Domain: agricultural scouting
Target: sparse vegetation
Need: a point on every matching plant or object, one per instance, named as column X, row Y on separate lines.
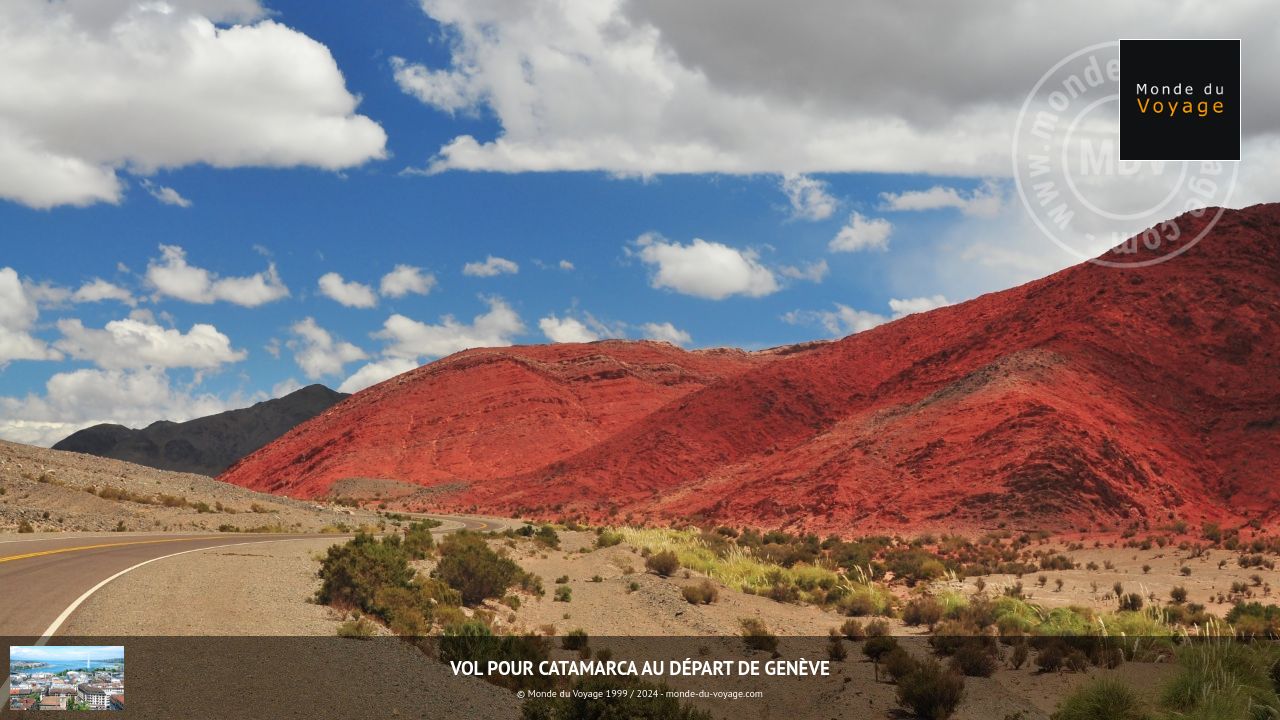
column 756, row 635
column 703, row 593
column 468, row 565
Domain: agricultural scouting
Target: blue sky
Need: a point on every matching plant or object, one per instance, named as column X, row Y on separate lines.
column 65, row 653
column 617, row 172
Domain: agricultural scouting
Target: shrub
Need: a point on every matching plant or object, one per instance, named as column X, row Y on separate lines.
column 1049, row 659
column 575, row 641
column 704, row 593
column 878, row 646
column 1131, row 602
column 25, row 527
column 664, row 563
column 922, row 611
column 354, row 572
column 756, row 635
column 469, row 566
column 562, row 579
column 898, row 663
column 974, row 658
column 931, row 691
column 564, row 593
column 876, row 628
column 853, row 630
column 608, row 538
column 547, row 536
column 1102, row 699
column 1018, row 656
column 358, row 628
column 836, row 650
column 418, row 542
column 1178, row 594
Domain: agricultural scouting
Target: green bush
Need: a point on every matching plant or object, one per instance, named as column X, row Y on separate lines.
column 878, row 646
column 756, row 635
column 664, row 563
column 353, row 573
column 575, row 641
column 608, row 538
column 473, row 640
column 1102, row 699
column 546, row 535
column 564, row 593
column 358, row 628
column 931, row 691
column 418, row 542
column 469, row 566
column 922, row 611
column 611, row 699
column 853, row 630
column 898, row 663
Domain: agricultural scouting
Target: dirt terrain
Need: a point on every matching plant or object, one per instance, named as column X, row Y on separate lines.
column 1095, row 398
column 48, row 490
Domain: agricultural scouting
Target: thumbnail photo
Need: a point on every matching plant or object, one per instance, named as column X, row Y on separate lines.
column 66, row 677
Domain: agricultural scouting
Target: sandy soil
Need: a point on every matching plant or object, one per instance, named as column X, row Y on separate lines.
column 47, row 489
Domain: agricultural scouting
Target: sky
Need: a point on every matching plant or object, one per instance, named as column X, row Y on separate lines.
column 209, row 203
column 66, row 653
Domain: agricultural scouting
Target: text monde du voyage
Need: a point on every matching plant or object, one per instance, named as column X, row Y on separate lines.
column 1180, row 99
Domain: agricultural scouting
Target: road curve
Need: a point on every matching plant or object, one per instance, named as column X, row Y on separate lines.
column 43, row 579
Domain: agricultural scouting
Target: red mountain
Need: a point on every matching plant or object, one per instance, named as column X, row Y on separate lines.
column 1094, row 397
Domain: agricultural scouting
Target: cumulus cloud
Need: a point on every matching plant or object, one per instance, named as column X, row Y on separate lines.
column 93, row 88
column 80, row 398
column 406, row 279
column 566, row 330
column 18, row 314
column 349, row 294
column 98, row 290
column 375, row 372
column 844, row 320
column 408, row 341
column 664, row 86
column 984, row 201
column 490, row 267
column 318, row 353
column 813, row 272
column 129, row 343
column 665, row 332
column 809, row 197
column 704, row 269
column 166, row 195
column 172, row 276
column 566, row 265
column 862, row 233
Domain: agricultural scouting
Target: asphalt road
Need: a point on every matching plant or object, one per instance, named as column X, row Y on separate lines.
column 43, row 579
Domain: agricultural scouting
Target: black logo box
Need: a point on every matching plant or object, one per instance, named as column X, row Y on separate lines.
column 1186, row 67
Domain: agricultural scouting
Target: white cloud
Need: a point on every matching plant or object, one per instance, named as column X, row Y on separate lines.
column 172, row 276
column 349, row 294
column 408, row 338
column 844, row 320
column 862, row 233
column 318, row 353
column 124, row 344
column 985, row 201
column 97, row 290
column 285, row 387
column 405, row 279
column 664, row 86
column 375, row 372
column 566, row 330
column 75, row 400
column 18, row 314
column 166, row 195
column 813, row 272
column 409, row 341
column 809, row 197
column 566, row 265
column 490, row 267
column 93, row 88
column 705, row 269
column 666, row 332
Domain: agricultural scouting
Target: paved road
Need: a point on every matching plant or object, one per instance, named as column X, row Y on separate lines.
column 43, row 579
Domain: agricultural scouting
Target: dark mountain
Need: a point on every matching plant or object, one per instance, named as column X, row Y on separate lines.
column 206, row 445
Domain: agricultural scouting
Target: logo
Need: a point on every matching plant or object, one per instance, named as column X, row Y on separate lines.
column 1077, row 188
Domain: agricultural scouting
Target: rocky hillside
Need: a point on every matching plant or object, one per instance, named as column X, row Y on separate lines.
column 207, row 445
column 1094, row 398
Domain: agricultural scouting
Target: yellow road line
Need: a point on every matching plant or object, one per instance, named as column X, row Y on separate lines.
column 56, row 551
